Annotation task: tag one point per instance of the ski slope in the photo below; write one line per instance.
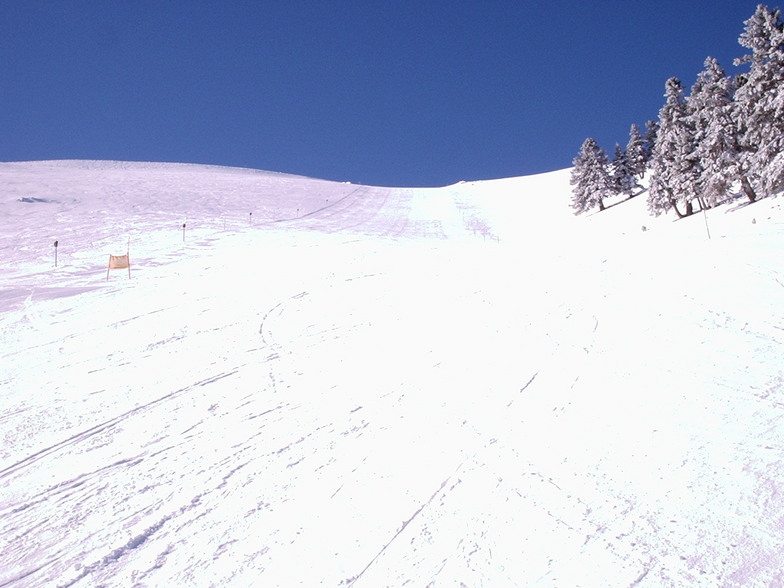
(316, 383)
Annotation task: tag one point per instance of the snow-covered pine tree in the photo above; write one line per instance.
(618, 169)
(674, 168)
(649, 140)
(622, 174)
(635, 153)
(759, 100)
(590, 177)
(715, 133)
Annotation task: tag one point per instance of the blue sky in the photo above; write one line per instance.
(408, 93)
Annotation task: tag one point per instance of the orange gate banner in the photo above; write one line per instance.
(119, 262)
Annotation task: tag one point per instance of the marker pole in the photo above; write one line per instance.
(705, 216)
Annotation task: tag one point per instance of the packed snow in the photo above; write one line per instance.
(309, 383)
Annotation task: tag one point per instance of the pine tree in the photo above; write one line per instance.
(759, 101)
(674, 167)
(715, 133)
(622, 174)
(635, 153)
(590, 177)
(649, 140)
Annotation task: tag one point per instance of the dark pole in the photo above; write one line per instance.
(55, 254)
(183, 232)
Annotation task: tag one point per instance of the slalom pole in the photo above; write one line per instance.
(55, 254)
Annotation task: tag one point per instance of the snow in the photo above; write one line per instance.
(320, 383)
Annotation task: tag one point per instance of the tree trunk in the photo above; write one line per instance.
(747, 189)
(689, 208)
(601, 204)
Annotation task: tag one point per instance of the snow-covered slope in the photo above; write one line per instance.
(315, 383)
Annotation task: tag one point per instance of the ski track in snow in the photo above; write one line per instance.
(326, 384)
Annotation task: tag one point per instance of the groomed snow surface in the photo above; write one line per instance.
(317, 383)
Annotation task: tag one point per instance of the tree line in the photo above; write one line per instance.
(725, 137)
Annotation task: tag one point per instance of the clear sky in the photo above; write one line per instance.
(393, 93)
